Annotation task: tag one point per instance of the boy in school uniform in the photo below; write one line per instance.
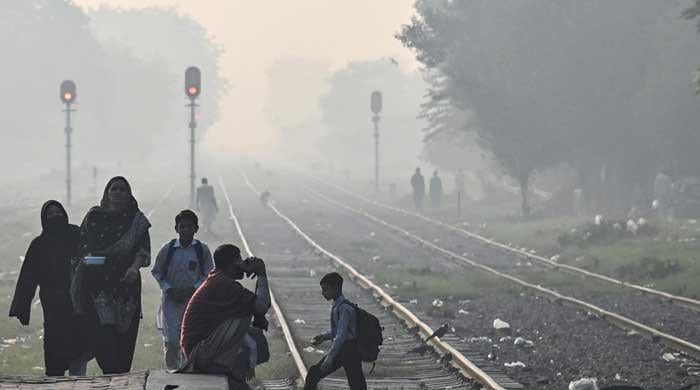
(180, 268)
(343, 334)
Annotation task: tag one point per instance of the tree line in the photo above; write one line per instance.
(602, 86)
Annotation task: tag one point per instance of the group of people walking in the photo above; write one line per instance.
(88, 311)
(90, 291)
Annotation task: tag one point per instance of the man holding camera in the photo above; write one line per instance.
(219, 314)
(180, 268)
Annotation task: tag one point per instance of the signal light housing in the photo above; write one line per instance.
(193, 82)
(68, 91)
(376, 102)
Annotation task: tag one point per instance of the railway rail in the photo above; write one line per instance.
(623, 322)
(319, 218)
(690, 303)
(400, 366)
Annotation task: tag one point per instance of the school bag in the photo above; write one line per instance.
(171, 251)
(369, 334)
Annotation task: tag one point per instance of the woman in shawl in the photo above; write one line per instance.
(110, 294)
(47, 264)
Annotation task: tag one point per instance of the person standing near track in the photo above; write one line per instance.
(344, 351)
(47, 265)
(180, 268)
(418, 185)
(206, 204)
(435, 191)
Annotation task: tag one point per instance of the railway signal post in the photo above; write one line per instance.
(193, 86)
(68, 95)
(376, 107)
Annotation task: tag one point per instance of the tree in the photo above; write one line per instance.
(596, 84)
(347, 125)
(128, 102)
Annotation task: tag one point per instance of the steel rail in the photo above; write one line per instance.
(672, 342)
(160, 201)
(458, 361)
(296, 356)
(690, 303)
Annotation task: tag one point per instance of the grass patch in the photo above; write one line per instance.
(669, 261)
(425, 282)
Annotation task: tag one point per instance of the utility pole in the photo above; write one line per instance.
(376, 107)
(193, 86)
(68, 95)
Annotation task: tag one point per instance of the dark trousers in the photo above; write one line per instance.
(114, 351)
(349, 359)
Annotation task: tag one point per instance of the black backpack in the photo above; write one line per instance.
(369, 334)
(171, 250)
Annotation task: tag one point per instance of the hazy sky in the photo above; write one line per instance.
(256, 33)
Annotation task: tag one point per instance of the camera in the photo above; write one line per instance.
(247, 267)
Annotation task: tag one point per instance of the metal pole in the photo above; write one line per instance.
(68, 131)
(375, 119)
(193, 125)
(459, 204)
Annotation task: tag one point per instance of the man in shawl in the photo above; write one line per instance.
(435, 190)
(180, 268)
(206, 204)
(47, 265)
(219, 314)
(109, 295)
(418, 185)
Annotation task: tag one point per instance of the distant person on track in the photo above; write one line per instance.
(435, 191)
(344, 351)
(109, 294)
(206, 204)
(180, 268)
(47, 265)
(216, 326)
(418, 185)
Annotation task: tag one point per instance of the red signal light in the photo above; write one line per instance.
(67, 96)
(192, 91)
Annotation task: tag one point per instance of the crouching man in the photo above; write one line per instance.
(219, 314)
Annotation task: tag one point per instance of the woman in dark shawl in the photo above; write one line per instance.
(110, 294)
(47, 264)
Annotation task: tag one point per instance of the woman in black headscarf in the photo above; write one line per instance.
(47, 264)
(110, 295)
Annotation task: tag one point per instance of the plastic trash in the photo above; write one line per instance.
(515, 364)
(584, 384)
(499, 324)
(598, 219)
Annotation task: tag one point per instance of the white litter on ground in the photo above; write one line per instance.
(584, 384)
(499, 324)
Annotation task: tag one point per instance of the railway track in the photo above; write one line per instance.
(654, 318)
(577, 307)
(294, 275)
(690, 303)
